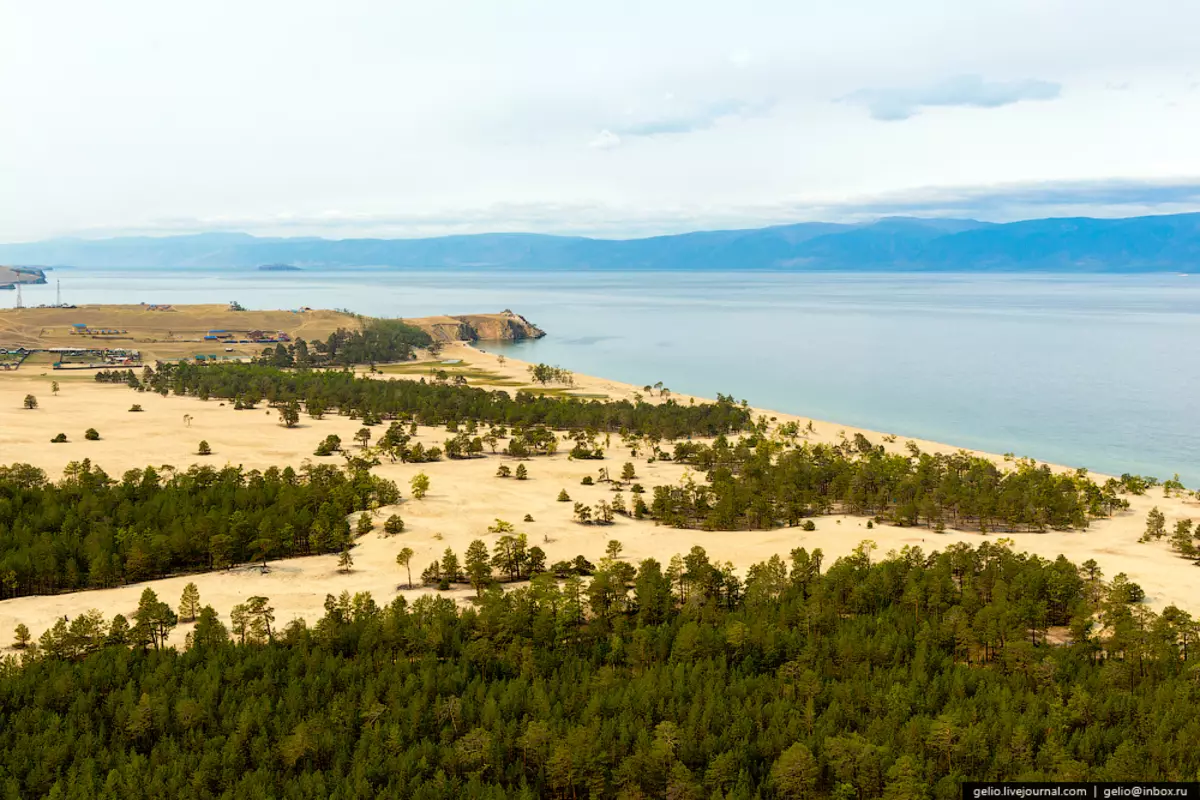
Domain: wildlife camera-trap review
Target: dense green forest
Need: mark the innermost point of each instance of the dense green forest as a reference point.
(758, 482)
(434, 403)
(90, 530)
(379, 341)
(895, 679)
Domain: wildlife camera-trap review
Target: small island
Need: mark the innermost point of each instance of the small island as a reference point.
(279, 268)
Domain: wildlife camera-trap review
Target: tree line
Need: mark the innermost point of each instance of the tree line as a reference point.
(438, 404)
(759, 482)
(90, 530)
(896, 678)
(378, 341)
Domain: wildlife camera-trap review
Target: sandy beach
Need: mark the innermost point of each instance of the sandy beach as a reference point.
(466, 497)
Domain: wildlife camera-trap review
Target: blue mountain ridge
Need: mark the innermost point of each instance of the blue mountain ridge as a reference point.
(1166, 243)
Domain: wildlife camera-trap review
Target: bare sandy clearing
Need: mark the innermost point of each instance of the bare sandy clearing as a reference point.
(465, 497)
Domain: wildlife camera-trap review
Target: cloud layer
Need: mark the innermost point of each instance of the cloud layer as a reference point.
(1001, 203)
(892, 104)
(419, 117)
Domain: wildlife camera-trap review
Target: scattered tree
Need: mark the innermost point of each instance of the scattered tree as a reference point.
(1156, 525)
(21, 637)
(404, 559)
(91, 434)
(345, 559)
(393, 525)
(478, 566)
(30, 402)
(204, 449)
(189, 603)
(289, 414)
(420, 485)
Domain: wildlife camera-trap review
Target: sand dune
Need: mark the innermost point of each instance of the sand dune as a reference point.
(465, 497)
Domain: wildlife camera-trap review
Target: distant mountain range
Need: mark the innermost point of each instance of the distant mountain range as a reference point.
(1169, 243)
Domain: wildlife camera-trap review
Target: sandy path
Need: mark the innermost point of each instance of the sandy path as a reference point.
(464, 499)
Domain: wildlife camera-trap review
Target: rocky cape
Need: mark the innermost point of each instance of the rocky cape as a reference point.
(11, 276)
(505, 326)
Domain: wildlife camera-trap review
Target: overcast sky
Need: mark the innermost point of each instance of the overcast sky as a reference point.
(347, 117)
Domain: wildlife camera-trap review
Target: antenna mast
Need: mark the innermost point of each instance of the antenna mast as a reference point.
(58, 293)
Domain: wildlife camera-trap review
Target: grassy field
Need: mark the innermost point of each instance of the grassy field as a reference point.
(173, 333)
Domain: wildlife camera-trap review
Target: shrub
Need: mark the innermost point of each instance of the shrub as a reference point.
(394, 525)
(91, 435)
(529, 517)
(329, 445)
(136, 407)
(809, 525)
(204, 449)
(62, 437)
(587, 480)
(563, 497)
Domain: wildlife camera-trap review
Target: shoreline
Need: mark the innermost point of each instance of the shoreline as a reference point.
(826, 431)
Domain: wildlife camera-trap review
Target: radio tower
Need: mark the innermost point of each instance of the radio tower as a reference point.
(19, 303)
(58, 293)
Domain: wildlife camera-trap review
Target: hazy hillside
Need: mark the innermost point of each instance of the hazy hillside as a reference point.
(1138, 244)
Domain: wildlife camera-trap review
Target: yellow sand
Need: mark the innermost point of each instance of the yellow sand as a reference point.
(464, 499)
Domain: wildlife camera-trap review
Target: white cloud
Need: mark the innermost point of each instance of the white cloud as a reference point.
(605, 140)
(469, 107)
(898, 103)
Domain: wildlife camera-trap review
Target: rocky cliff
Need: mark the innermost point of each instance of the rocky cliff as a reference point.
(505, 326)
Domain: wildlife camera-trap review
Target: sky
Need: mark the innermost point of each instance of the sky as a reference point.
(616, 119)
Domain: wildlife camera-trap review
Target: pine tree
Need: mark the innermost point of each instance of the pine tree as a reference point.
(450, 568)
(345, 559)
(794, 773)
(522, 473)
(21, 637)
(478, 566)
(189, 603)
(404, 559)
(1156, 525)
(420, 485)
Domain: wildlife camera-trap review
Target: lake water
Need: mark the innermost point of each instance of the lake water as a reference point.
(1096, 371)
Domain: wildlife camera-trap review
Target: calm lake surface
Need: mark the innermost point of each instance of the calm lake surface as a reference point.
(1092, 371)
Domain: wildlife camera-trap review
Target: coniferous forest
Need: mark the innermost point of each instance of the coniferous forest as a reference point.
(433, 403)
(869, 678)
(90, 530)
(897, 678)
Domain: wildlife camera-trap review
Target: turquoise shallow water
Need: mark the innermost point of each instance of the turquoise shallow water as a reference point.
(1096, 371)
